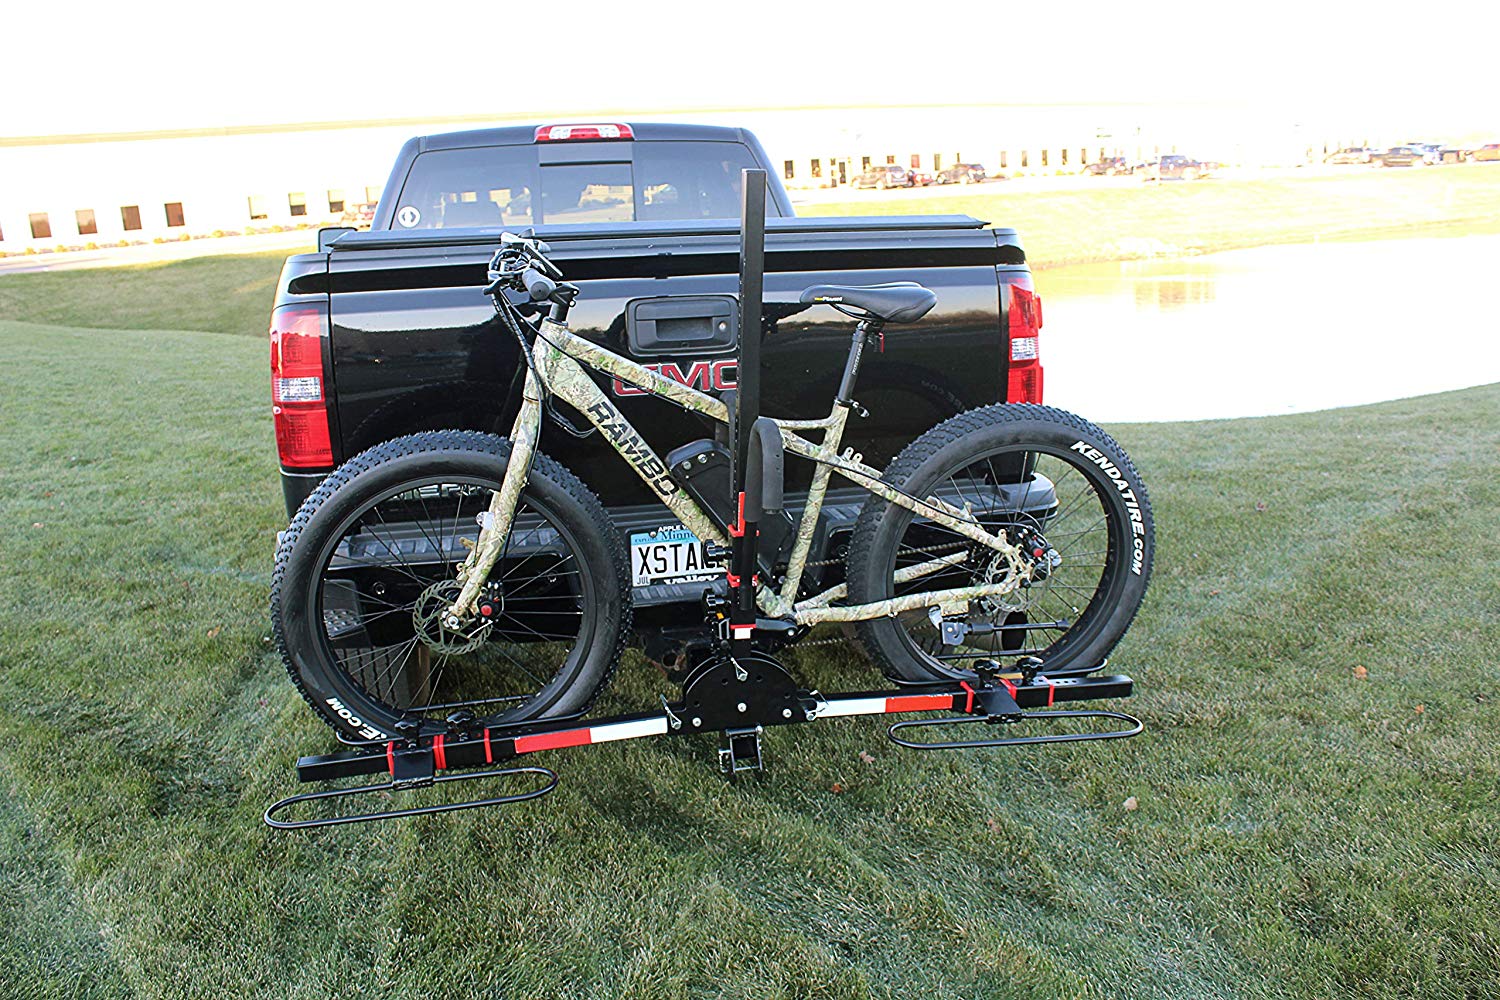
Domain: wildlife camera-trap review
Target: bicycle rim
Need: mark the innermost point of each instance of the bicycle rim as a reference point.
(1071, 529)
(388, 571)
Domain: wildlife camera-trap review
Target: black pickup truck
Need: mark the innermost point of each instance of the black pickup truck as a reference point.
(387, 332)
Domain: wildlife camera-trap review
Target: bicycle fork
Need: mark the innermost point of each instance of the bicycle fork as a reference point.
(494, 530)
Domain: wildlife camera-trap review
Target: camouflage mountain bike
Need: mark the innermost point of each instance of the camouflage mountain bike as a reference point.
(452, 579)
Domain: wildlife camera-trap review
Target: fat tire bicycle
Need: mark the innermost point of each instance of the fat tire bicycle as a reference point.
(452, 579)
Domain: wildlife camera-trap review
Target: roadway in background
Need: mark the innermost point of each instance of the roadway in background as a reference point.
(293, 241)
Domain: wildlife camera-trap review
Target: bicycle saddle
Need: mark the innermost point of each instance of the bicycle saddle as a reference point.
(893, 302)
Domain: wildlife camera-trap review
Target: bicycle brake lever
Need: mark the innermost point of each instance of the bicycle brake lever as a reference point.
(546, 265)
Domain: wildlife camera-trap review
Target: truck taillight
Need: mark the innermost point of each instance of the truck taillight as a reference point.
(575, 133)
(298, 403)
(1025, 384)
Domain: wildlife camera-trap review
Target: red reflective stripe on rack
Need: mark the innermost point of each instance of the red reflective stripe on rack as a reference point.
(554, 741)
(734, 581)
(918, 702)
(969, 702)
(489, 754)
(738, 530)
(1009, 686)
(390, 758)
(439, 755)
(741, 631)
(1051, 691)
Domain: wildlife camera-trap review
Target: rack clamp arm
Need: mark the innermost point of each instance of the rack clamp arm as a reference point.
(995, 696)
(991, 696)
(411, 765)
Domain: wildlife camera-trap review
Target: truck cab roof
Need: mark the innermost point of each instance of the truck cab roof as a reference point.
(519, 135)
(524, 175)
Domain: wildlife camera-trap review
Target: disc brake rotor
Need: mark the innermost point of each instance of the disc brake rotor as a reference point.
(1041, 559)
(427, 620)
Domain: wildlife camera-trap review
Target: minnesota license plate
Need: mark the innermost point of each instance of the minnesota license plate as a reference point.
(669, 554)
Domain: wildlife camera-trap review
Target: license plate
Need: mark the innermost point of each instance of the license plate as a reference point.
(669, 554)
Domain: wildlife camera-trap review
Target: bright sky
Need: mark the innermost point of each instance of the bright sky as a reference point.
(86, 67)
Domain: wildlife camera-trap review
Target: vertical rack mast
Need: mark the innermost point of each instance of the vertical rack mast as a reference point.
(742, 559)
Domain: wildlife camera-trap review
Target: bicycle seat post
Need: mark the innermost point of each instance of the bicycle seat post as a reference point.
(863, 331)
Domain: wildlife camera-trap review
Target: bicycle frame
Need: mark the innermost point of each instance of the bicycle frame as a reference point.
(560, 358)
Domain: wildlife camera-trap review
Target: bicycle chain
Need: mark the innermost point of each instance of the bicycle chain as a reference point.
(836, 640)
(926, 550)
(947, 547)
(839, 640)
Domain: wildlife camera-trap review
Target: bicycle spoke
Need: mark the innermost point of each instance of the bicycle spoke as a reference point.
(523, 668)
(549, 571)
(458, 507)
(539, 635)
(403, 569)
(437, 543)
(390, 669)
(1064, 550)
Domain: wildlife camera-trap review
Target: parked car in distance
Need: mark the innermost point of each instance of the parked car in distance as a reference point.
(887, 175)
(1108, 167)
(359, 216)
(1403, 156)
(1489, 151)
(918, 178)
(1350, 154)
(961, 173)
(1173, 167)
(1432, 152)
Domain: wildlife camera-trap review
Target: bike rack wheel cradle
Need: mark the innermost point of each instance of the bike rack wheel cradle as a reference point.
(739, 691)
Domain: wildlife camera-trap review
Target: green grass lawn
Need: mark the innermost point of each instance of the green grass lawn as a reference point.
(230, 293)
(1305, 827)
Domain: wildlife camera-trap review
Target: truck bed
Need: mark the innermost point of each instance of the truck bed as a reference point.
(414, 343)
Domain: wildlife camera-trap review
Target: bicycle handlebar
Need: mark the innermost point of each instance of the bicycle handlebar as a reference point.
(538, 285)
(521, 264)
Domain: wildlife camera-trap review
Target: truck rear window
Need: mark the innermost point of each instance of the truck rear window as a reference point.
(499, 186)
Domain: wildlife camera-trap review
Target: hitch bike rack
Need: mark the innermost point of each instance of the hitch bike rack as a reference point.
(738, 691)
(717, 699)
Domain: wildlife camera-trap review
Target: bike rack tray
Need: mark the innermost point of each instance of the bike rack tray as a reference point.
(996, 700)
(406, 784)
(416, 762)
(1134, 727)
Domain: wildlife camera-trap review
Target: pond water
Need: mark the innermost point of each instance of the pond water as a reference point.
(1269, 330)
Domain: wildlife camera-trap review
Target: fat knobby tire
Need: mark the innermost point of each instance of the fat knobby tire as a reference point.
(409, 459)
(950, 445)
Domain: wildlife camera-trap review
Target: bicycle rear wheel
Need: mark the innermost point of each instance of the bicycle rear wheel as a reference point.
(1055, 484)
(367, 567)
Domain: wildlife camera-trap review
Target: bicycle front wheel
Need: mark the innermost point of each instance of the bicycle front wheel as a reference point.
(1058, 487)
(368, 566)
